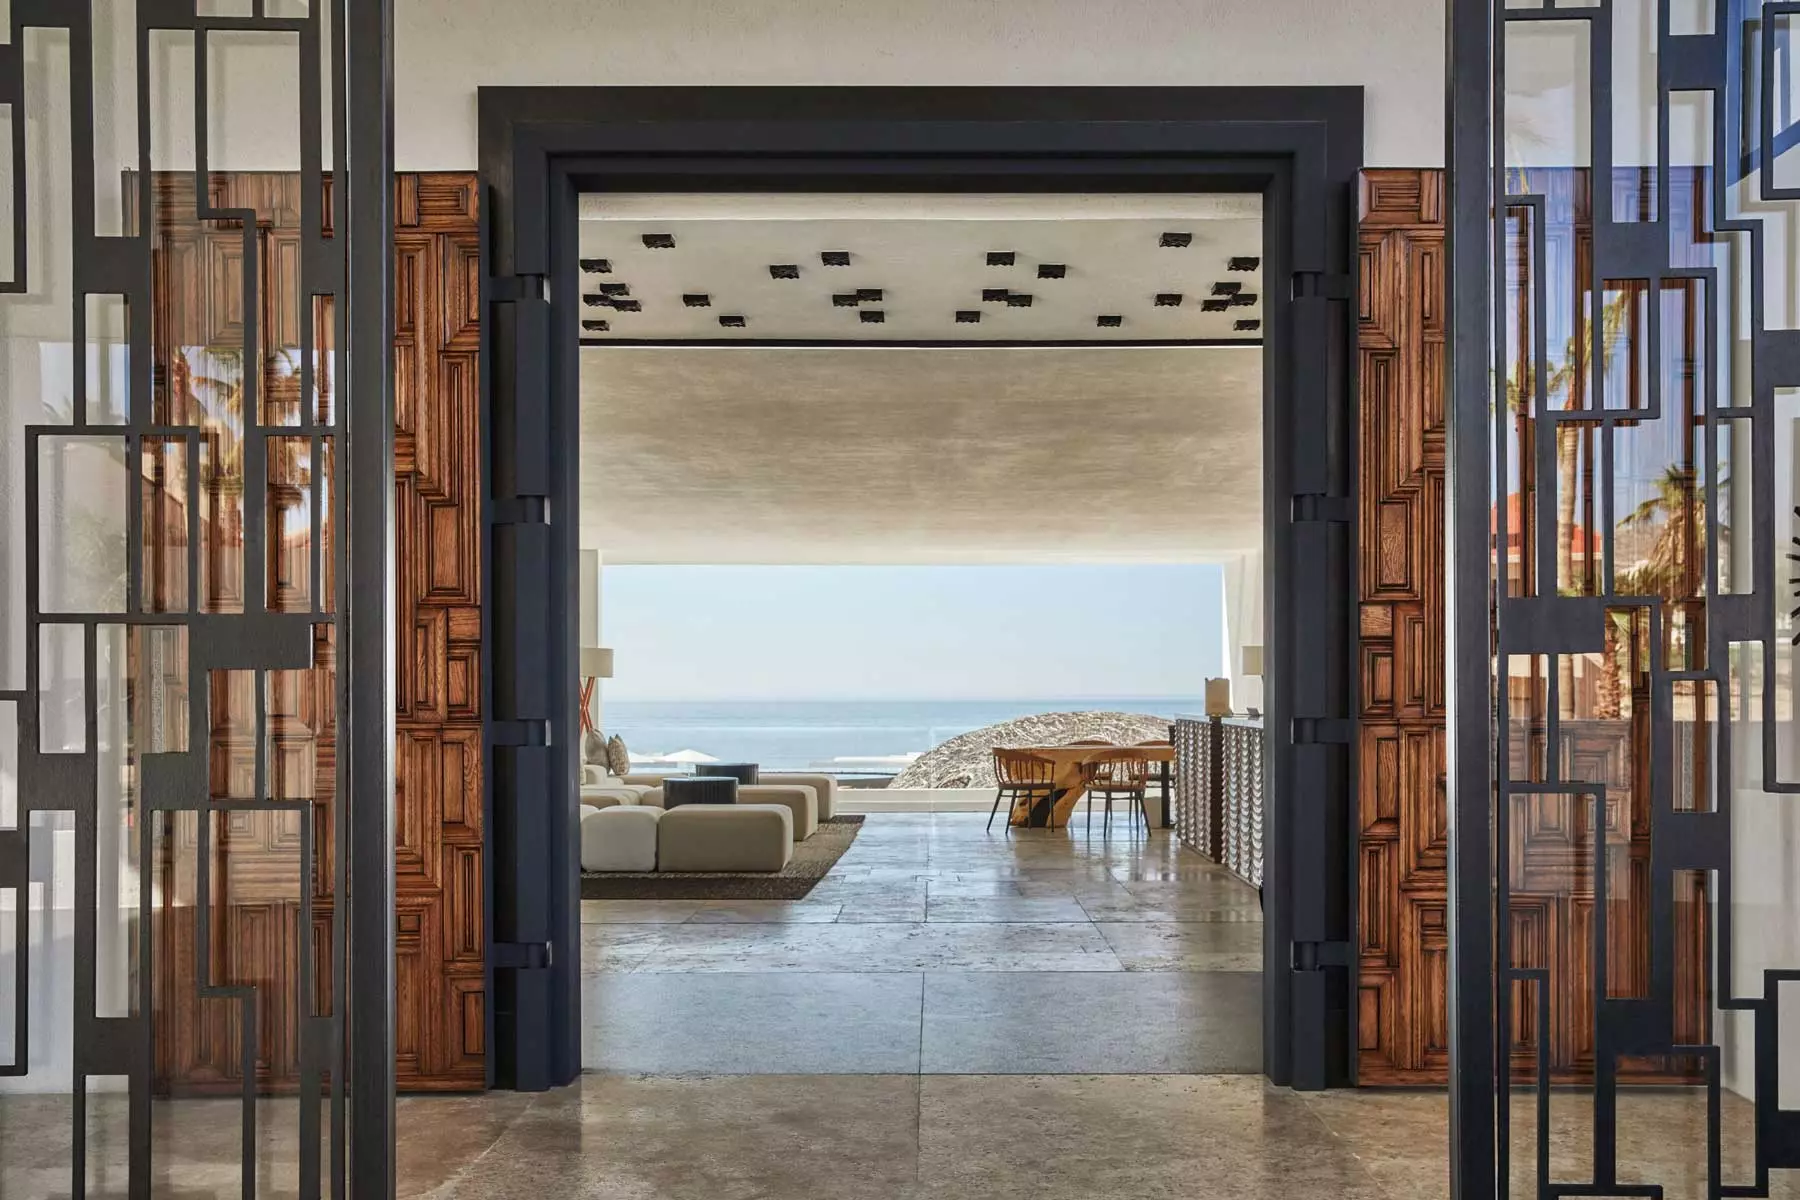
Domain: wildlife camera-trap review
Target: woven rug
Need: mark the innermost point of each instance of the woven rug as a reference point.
(812, 861)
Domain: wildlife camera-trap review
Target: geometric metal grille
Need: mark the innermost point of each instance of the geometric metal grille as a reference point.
(1645, 485)
(175, 806)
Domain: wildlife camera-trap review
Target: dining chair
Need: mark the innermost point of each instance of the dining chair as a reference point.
(1113, 777)
(1164, 774)
(1021, 775)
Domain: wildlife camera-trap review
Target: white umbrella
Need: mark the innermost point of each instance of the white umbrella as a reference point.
(689, 756)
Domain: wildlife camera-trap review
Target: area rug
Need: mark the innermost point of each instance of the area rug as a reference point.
(812, 861)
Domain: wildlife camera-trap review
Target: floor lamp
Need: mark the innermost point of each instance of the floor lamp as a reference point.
(596, 664)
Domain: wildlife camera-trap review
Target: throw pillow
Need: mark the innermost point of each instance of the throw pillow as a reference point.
(617, 760)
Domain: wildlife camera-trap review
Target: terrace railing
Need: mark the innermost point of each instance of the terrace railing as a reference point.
(1218, 808)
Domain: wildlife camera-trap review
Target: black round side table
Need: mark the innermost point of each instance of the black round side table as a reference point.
(745, 773)
(699, 789)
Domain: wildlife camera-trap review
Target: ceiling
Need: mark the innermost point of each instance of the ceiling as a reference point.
(910, 268)
(883, 454)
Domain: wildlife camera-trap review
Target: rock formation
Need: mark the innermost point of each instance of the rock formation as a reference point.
(967, 759)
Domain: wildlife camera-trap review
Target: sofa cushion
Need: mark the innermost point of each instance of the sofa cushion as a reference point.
(802, 801)
(619, 838)
(824, 785)
(604, 795)
(721, 837)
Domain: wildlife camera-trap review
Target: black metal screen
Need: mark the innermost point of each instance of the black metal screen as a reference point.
(191, 607)
(1638, 404)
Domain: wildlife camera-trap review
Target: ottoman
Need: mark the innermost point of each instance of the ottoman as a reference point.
(699, 789)
(824, 785)
(803, 802)
(619, 838)
(724, 837)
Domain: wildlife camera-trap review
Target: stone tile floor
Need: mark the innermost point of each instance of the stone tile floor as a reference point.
(939, 946)
(936, 1022)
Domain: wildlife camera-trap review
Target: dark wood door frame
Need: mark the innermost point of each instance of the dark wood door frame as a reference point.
(1300, 148)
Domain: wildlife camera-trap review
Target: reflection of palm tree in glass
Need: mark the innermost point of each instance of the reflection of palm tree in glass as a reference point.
(208, 384)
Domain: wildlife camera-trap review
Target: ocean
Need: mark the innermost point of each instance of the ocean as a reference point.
(878, 736)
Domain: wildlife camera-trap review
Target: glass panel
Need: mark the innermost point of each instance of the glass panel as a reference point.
(108, 360)
(235, 709)
(1785, 550)
(289, 539)
(165, 524)
(62, 689)
(253, 101)
(1579, 552)
(81, 494)
(1732, 485)
(107, 1104)
(43, 1163)
(1695, 771)
(9, 764)
(1784, 35)
(1634, 114)
(1688, 17)
(9, 268)
(9, 996)
(1625, 347)
(115, 118)
(324, 333)
(1548, 121)
(115, 890)
(328, 511)
(222, 524)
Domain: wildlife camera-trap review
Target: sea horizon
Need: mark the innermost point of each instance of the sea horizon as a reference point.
(876, 735)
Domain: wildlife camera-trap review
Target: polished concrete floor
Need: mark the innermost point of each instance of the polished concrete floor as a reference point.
(952, 1014)
(938, 947)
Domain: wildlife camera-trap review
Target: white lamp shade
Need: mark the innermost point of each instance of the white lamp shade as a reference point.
(1252, 664)
(596, 662)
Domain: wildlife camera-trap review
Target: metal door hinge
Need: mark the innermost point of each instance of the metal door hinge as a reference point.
(504, 289)
(1321, 286)
(1314, 506)
(519, 956)
(1323, 731)
(521, 510)
(523, 732)
(1316, 956)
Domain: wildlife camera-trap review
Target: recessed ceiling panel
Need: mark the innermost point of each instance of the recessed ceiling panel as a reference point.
(1035, 268)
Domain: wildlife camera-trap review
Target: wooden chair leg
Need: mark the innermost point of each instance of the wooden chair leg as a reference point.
(999, 794)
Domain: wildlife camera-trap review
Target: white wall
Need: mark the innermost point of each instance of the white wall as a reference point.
(446, 48)
(1243, 583)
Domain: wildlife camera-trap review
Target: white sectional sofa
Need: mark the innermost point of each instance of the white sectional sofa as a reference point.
(623, 825)
(824, 789)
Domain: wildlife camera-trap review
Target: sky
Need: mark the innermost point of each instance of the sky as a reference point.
(911, 633)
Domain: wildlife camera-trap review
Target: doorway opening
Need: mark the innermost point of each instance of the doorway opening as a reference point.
(912, 513)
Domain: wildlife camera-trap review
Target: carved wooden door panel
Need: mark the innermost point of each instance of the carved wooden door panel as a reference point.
(1600, 706)
(200, 288)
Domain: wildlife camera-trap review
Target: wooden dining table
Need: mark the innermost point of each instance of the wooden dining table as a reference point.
(1069, 778)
